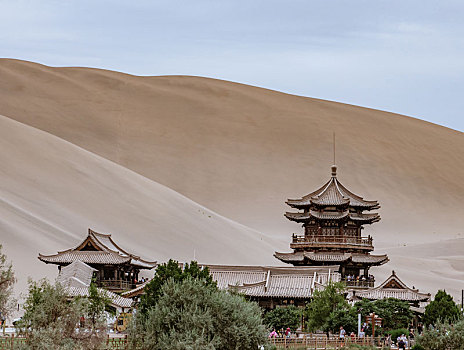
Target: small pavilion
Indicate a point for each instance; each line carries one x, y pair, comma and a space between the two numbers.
393, 287
116, 269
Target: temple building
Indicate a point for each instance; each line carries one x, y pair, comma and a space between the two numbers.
116, 269
333, 218
269, 286
76, 278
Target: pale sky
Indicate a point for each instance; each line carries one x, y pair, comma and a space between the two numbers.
400, 56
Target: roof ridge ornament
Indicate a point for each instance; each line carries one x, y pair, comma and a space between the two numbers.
334, 166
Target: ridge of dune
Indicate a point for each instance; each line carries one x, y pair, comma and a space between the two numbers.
51, 191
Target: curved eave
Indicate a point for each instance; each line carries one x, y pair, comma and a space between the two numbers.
365, 218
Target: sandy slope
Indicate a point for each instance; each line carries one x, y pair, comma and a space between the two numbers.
52, 190
242, 151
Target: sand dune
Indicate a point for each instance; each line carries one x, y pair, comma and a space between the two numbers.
51, 191
241, 151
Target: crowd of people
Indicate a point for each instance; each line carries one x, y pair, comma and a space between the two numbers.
287, 333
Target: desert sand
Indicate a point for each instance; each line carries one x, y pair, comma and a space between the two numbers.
241, 151
52, 191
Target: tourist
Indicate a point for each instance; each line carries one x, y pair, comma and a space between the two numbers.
402, 342
288, 333
353, 337
361, 333
273, 334
342, 334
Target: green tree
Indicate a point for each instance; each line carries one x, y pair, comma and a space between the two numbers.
344, 316
51, 319
325, 302
7, 280
193, 315
442, 308
394, 313
170, 270
283, 317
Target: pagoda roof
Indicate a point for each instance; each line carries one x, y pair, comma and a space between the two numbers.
331, 257
97, 249
392, 287
333, 215
333, 193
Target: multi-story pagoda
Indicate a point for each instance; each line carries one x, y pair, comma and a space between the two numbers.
116, 269
333, 219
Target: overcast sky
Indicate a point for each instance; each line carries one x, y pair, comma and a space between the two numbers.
400, 56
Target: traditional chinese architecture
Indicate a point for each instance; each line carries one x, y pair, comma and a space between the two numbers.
76, 278
116, 269
270, 286
333, 218
393, 287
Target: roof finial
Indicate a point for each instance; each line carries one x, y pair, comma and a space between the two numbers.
334, 167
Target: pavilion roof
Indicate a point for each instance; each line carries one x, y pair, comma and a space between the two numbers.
392, 287
332, 257
97, 249
333, 193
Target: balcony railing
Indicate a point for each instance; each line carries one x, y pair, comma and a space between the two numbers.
359, 283
325, 240
116, 284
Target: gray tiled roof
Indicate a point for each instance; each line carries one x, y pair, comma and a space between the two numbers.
333, 193
88, 257
97, 249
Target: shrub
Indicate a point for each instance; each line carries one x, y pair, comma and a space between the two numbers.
51, 319
443, 336
193, 315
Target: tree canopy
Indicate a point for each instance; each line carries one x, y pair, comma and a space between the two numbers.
7, 280
171, 270
283, 317
324, 303
193, 315
394, 313
52, 320
442, 308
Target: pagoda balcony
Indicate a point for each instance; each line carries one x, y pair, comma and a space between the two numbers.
333, 242
116, 285
359, 283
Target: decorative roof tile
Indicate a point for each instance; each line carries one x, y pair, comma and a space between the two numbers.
88, 257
